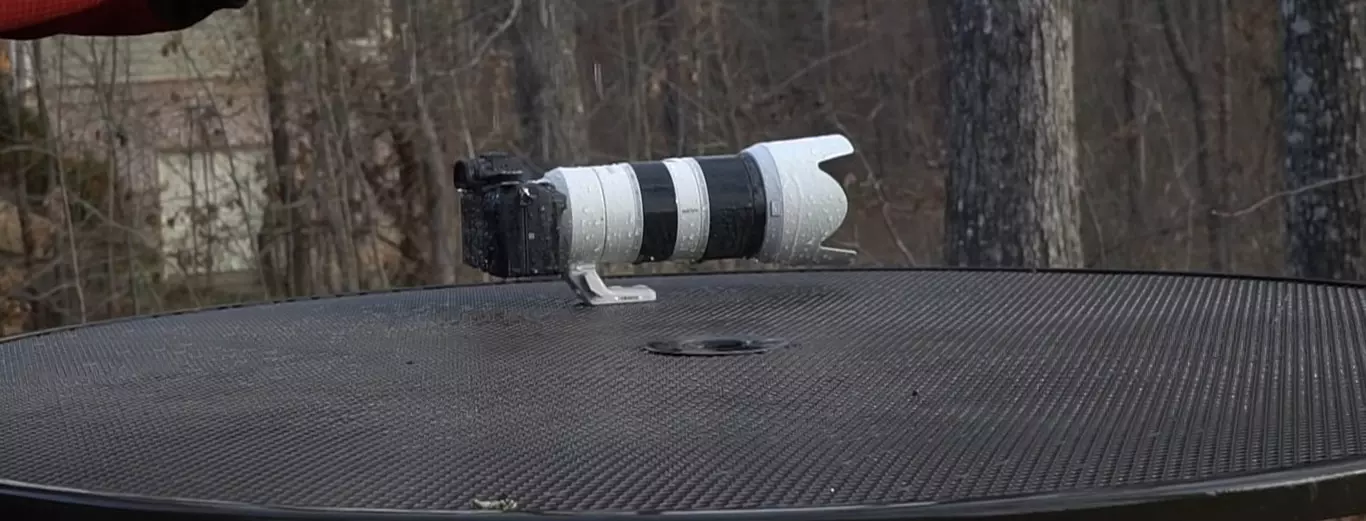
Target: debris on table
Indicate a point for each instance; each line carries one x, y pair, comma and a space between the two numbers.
502, 503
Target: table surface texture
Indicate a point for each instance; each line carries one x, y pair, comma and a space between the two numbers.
885, 387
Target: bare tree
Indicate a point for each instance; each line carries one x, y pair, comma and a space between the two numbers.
11, 136
675, 21
1228, 166
550, 99
1322, 133
282, 237
1134, 143
1013, 182
425, 160
1188, 67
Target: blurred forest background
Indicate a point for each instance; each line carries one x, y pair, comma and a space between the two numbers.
305, 147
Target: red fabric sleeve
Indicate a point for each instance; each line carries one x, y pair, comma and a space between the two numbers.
20, 14
30, 19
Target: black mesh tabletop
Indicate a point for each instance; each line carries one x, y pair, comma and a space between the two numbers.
872, 394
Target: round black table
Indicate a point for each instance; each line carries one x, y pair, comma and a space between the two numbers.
885, 394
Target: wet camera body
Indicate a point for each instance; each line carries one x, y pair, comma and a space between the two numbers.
509, 222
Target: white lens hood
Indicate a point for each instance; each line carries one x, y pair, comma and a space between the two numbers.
805, 204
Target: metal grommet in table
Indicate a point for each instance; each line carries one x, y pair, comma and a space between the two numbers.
716, 345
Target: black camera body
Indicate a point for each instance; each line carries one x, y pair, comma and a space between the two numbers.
509, 222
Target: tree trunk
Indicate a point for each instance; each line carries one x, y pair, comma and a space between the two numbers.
12, 135
674, 23
1228, 166
427, 242
1013, 184
440, 185
70, 300
328, 136
1186, 68
282, 232
1323, 114
550, 100
1135, 144
416, 51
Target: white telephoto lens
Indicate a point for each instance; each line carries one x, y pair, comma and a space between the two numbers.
771, 202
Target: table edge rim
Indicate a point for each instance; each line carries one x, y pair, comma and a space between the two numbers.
1318, 491
780, 271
